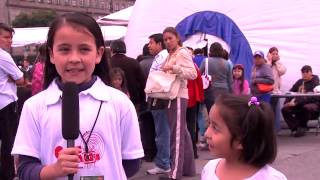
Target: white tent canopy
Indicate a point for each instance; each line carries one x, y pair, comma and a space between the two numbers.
291, 25
113, 32
25, 36
113, 27
121, 17
38, 35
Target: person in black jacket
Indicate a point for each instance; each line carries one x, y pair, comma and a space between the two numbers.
145, 60
297, 111
135, 76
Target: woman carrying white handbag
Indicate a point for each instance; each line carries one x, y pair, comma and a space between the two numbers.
180, 63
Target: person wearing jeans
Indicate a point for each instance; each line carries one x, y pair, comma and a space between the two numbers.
202, 125
162, 158
158, 109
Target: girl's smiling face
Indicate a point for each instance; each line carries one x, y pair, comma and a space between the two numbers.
74, 53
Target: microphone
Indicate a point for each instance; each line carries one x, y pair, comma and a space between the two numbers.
70, 115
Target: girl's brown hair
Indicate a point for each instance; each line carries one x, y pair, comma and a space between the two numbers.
252, 125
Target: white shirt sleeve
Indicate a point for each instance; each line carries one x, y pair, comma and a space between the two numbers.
27, 141
8, 65
159, 59
208, 171
131, 146
268, 172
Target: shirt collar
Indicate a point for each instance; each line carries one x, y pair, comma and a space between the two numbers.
98, 91
162, 54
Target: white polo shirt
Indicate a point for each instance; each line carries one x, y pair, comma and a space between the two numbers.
8, 90
115, 137
266, 172
159, 59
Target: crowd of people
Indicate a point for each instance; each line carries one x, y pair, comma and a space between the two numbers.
121, 122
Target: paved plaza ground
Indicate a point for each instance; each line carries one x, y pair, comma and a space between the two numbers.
298, 158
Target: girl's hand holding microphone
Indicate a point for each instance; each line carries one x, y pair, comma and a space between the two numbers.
67, 163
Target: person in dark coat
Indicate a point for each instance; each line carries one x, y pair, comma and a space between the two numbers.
135, 77
147, 127
146, 60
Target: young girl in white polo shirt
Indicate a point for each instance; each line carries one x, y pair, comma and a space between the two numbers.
241, 136
109, 145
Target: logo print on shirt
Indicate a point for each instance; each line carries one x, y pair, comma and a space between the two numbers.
95, 149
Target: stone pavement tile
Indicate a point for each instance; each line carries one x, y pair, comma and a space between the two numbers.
297, 158
204, 156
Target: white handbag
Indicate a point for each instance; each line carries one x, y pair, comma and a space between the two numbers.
316, 89
206, 78
162, 85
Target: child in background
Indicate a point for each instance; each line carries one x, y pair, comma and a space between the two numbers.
109, 145
239, 84
38, 72
118, 80
241, 135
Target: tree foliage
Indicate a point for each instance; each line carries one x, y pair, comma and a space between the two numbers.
35, 19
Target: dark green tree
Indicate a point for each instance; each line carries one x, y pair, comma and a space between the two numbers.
35, 19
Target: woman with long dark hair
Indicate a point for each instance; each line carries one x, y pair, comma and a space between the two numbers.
179, 62
220, 72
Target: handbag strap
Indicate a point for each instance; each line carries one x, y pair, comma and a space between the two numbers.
206, 68
169, 57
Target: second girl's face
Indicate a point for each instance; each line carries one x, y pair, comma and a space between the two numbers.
74, 53
117, 81
218, 135
237, 73
171, 41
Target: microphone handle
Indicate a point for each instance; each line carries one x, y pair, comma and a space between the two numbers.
70, 176
70, 143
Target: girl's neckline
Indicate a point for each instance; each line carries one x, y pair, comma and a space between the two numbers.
81, 87
252, 175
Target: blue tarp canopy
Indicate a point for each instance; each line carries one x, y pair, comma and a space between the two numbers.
219, 25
